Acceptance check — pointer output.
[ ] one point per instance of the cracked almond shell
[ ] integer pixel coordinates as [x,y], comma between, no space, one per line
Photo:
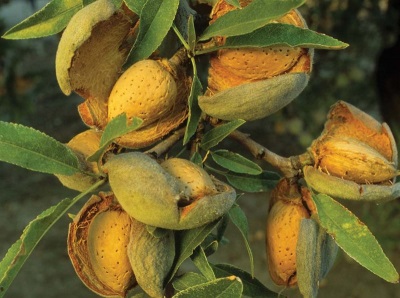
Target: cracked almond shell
[151,195]
[97,246]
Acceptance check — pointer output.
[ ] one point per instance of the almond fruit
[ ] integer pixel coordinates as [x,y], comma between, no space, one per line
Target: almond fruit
[84,145]
[196,182]
[155,91]
[97,245]
[353,160]
[151,258]
[282,231]
[151,195]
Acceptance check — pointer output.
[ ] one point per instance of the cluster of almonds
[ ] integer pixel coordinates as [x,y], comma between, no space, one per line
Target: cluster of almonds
[109,243]
[354,158]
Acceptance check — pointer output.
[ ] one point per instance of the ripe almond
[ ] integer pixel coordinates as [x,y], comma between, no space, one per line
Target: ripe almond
[346,120]
[282,231]
[97,245]
[353,160]
[84,145]
[196,182]
[146,90]
[155,91]
[233,67]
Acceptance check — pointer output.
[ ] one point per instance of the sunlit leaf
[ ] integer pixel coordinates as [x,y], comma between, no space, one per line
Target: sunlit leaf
[156,18]
[135,5]
[51,19]
[277,34]
[235,3]
[255,15]
[116,128]
[31,149]
[354,237]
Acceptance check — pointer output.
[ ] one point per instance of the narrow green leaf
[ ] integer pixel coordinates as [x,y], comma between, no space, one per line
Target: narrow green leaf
[255,15]
[210,245]
[197,159]
[187,241]
[354,237]
[188,280]
[235,162]
[135,5]
[252,287]
[156,18]
[227,287]
[221,228]
[254,183]
[194,109]
[51,19]
[277,34]
[116,128]
[31,149]
[32,234]
[234,3]
[239,219]
[199,259]
[217,134]
[191,34]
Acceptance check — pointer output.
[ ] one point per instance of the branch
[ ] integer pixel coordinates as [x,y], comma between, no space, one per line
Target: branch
[289,166]
[166,144]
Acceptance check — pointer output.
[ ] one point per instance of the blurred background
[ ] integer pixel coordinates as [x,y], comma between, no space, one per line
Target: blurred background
[366,74]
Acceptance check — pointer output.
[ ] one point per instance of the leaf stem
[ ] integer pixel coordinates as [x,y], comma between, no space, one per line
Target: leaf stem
[180,37]
[289,166]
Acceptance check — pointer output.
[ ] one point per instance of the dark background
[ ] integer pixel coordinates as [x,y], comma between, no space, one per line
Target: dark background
[365,74]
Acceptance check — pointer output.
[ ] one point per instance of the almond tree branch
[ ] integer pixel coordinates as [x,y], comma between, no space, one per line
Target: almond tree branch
[166,144]
[289,166]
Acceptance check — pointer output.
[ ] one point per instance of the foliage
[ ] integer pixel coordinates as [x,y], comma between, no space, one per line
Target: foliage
[205,137]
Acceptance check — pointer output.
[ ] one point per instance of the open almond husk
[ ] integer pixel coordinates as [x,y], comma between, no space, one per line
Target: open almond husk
[155,91]
[355,147]
[253,83]
[91,53]
[97,246]
[282,231]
